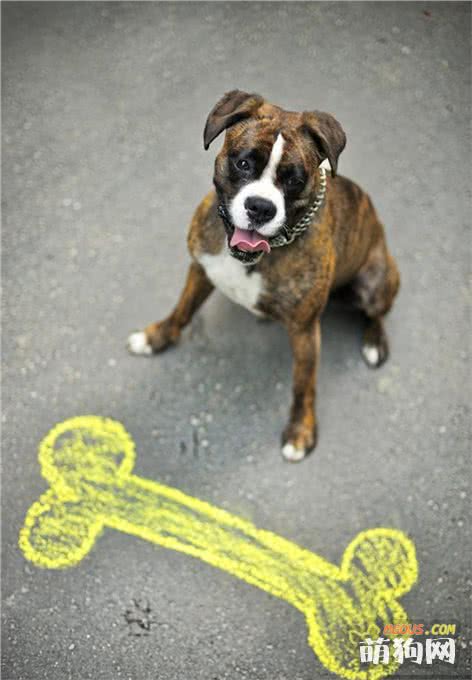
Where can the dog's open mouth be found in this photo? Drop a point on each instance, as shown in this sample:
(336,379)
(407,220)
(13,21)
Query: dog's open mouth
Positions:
(249,241)
(246,245)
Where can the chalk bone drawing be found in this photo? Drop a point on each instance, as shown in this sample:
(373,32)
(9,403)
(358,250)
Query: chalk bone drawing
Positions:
(88,461)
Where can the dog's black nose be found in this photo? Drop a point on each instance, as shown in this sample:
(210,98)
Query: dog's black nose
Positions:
(259,210)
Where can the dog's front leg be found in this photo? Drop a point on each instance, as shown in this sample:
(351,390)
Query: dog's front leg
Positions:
(157,336)
(299,437)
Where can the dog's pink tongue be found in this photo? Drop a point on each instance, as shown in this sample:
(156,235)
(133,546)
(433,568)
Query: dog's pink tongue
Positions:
(249,241)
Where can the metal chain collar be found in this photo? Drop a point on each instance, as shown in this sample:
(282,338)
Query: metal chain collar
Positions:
(288,234)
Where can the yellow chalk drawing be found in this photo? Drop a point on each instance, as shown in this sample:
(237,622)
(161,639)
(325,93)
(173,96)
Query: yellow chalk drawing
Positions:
(88,462)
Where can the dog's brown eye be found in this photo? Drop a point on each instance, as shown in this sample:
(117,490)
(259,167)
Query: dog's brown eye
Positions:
(295,182)
(243,165)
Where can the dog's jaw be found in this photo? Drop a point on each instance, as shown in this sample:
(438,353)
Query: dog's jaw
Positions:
(245,257)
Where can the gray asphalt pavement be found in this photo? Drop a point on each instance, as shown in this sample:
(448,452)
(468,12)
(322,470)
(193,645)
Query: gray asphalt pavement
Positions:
(103,110)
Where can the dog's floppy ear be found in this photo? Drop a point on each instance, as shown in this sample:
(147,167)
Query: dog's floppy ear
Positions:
(233,107)
(327,135)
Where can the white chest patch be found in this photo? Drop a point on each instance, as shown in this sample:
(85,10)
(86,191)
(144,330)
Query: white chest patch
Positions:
(233,279)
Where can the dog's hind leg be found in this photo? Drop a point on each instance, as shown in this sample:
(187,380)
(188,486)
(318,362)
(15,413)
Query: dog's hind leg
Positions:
(375,287)
(160,335)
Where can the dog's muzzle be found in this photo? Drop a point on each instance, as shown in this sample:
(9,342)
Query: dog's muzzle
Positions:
(286,234)
(245,256)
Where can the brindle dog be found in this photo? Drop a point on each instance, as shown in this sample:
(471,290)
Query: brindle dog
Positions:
(269,181)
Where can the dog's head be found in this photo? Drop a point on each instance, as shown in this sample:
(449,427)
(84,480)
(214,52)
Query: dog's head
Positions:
(266,172)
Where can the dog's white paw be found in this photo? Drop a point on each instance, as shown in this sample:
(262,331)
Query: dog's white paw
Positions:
(292,454)
(371,355)
(138,344)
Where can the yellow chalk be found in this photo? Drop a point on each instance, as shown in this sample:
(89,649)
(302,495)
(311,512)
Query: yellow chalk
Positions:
(88,461)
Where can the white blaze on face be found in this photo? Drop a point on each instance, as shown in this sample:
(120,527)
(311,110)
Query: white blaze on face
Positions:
(264,187)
